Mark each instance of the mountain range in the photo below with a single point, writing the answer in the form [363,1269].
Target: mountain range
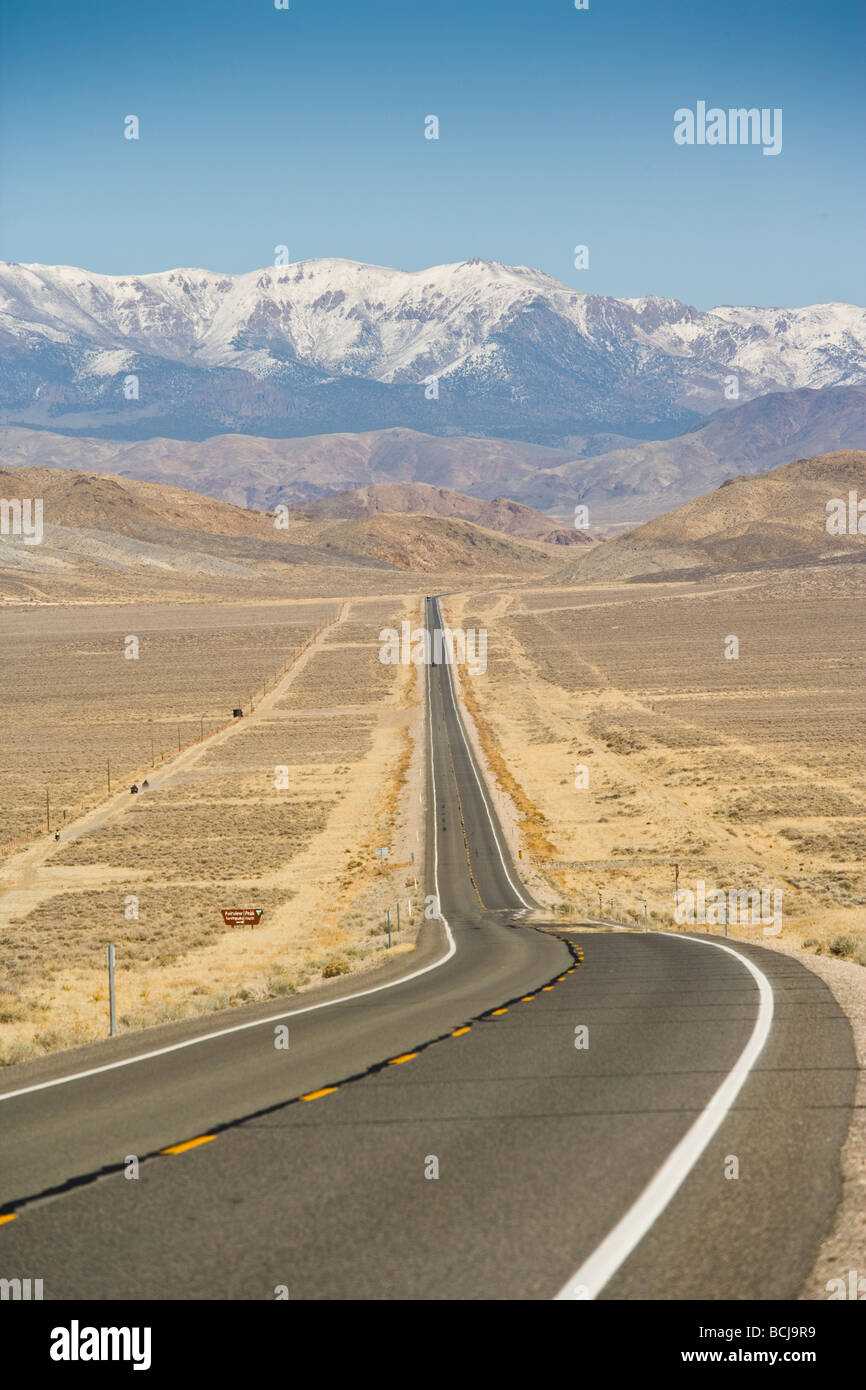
[622,481]
[115,538]
[334,346]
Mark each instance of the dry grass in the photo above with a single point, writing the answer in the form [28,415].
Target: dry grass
[739,770]
[72,701]
[216,830]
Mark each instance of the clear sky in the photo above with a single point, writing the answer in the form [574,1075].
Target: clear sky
[305,127]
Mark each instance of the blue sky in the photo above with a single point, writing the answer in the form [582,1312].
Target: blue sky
[305,127]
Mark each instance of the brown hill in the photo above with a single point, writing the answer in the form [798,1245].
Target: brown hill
[435,545]
[98,531]
[774,518]
[421,499]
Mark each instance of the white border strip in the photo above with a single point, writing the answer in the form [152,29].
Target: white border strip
[478,779]
[615,1249]
[311,1008]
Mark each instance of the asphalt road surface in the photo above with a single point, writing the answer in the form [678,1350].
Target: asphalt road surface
[505,1123]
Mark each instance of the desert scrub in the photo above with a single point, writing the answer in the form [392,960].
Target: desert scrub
[849,948]
[280,984]
[71,929]
[338,966]
[16,1052]
[202,841]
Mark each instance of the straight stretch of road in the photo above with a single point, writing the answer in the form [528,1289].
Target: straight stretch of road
[492,1120]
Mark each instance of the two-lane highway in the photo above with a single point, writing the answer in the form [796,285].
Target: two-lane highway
[500,1124]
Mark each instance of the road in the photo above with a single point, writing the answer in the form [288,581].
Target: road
[456,1142]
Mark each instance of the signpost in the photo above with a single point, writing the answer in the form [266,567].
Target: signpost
[242,916]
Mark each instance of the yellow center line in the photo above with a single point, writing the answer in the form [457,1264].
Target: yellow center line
[188,1144]
[4,1219]
[406,1057]
[458,1032]
[527,998]
[497,1012]
[545,988]
[314,1095]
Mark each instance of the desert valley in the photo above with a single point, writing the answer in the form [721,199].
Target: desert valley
[620,734]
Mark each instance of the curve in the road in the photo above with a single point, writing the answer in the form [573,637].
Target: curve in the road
[608,1160]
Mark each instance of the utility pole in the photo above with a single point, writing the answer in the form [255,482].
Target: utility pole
[111,1017]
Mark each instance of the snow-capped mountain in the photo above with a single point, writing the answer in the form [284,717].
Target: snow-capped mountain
[336,345]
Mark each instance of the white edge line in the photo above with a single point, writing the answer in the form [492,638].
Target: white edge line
[277,1018]
[606,1259]
[478,780]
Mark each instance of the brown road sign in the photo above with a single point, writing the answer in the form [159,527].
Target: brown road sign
[241,916]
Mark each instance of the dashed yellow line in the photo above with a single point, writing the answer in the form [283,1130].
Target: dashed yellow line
[497,1012]
[463,827]
[314,1095]
[458,1032]
[405,1057]
[4,1219]
[545,988]
[527,998]
[188,1144]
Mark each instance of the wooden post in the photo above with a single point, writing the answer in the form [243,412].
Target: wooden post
[112,1025]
